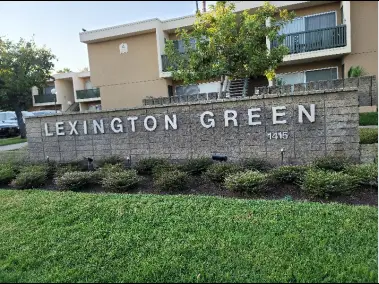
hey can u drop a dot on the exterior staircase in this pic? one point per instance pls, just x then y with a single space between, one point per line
73 108
238 87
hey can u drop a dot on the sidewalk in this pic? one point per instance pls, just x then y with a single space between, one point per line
13 146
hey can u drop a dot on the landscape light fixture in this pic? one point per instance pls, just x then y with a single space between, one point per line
220 158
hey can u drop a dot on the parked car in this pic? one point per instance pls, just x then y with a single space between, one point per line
9 130
8 123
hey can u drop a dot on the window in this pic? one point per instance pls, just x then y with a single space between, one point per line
179 44
47 90
187 90
322 74
309 23
291 78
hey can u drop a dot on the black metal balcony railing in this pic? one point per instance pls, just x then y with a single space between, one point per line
40 99
88 94
315 40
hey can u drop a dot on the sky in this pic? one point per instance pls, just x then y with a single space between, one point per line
56 24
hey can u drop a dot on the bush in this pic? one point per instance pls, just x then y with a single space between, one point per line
66 168
367 174
368 118
173 181
288 174
196 166
121 181
163 169
218 171
109 169
368 135
323 183
255 164
146 166
332 163
7 173
249 181
111 160
31 177
75 180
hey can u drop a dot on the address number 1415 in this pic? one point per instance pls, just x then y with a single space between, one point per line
277 135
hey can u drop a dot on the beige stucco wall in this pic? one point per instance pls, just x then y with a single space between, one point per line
130 95
364 37
65 92
126 79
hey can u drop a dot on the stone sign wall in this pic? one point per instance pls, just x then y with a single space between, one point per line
298 127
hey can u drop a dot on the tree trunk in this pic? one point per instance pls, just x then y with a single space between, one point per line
221 85
20 121
204 6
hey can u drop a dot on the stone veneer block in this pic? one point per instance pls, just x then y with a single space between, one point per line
298 88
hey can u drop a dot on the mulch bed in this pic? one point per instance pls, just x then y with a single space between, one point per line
198 186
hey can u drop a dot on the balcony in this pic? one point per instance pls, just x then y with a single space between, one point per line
88 94
43 99
320 39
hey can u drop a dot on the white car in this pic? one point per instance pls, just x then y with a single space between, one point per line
9 117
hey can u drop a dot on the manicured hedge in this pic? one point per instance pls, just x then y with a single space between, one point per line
368 135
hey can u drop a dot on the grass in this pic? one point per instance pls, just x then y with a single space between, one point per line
368 118
76 237
10 141
368 135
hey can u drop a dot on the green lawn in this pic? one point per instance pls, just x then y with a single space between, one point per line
76 237
13 140
368 118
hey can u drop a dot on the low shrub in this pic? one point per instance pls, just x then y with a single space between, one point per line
288 174
367 174
218 171
121 181
111 160
66 168
248 181
256 164
146 166
31 177
7 173
368 135
196 166
109 169
368 118
320 183
172 181
332 163
75 180
163 169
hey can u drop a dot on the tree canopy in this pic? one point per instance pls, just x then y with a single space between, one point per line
64 70
23 65
224 43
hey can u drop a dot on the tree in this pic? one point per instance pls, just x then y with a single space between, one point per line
85 69
23 65
64 70
223 43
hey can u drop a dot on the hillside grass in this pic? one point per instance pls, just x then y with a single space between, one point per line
368 118
77 237
10 141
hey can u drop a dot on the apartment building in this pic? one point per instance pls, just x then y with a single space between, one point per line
128 63
73 92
